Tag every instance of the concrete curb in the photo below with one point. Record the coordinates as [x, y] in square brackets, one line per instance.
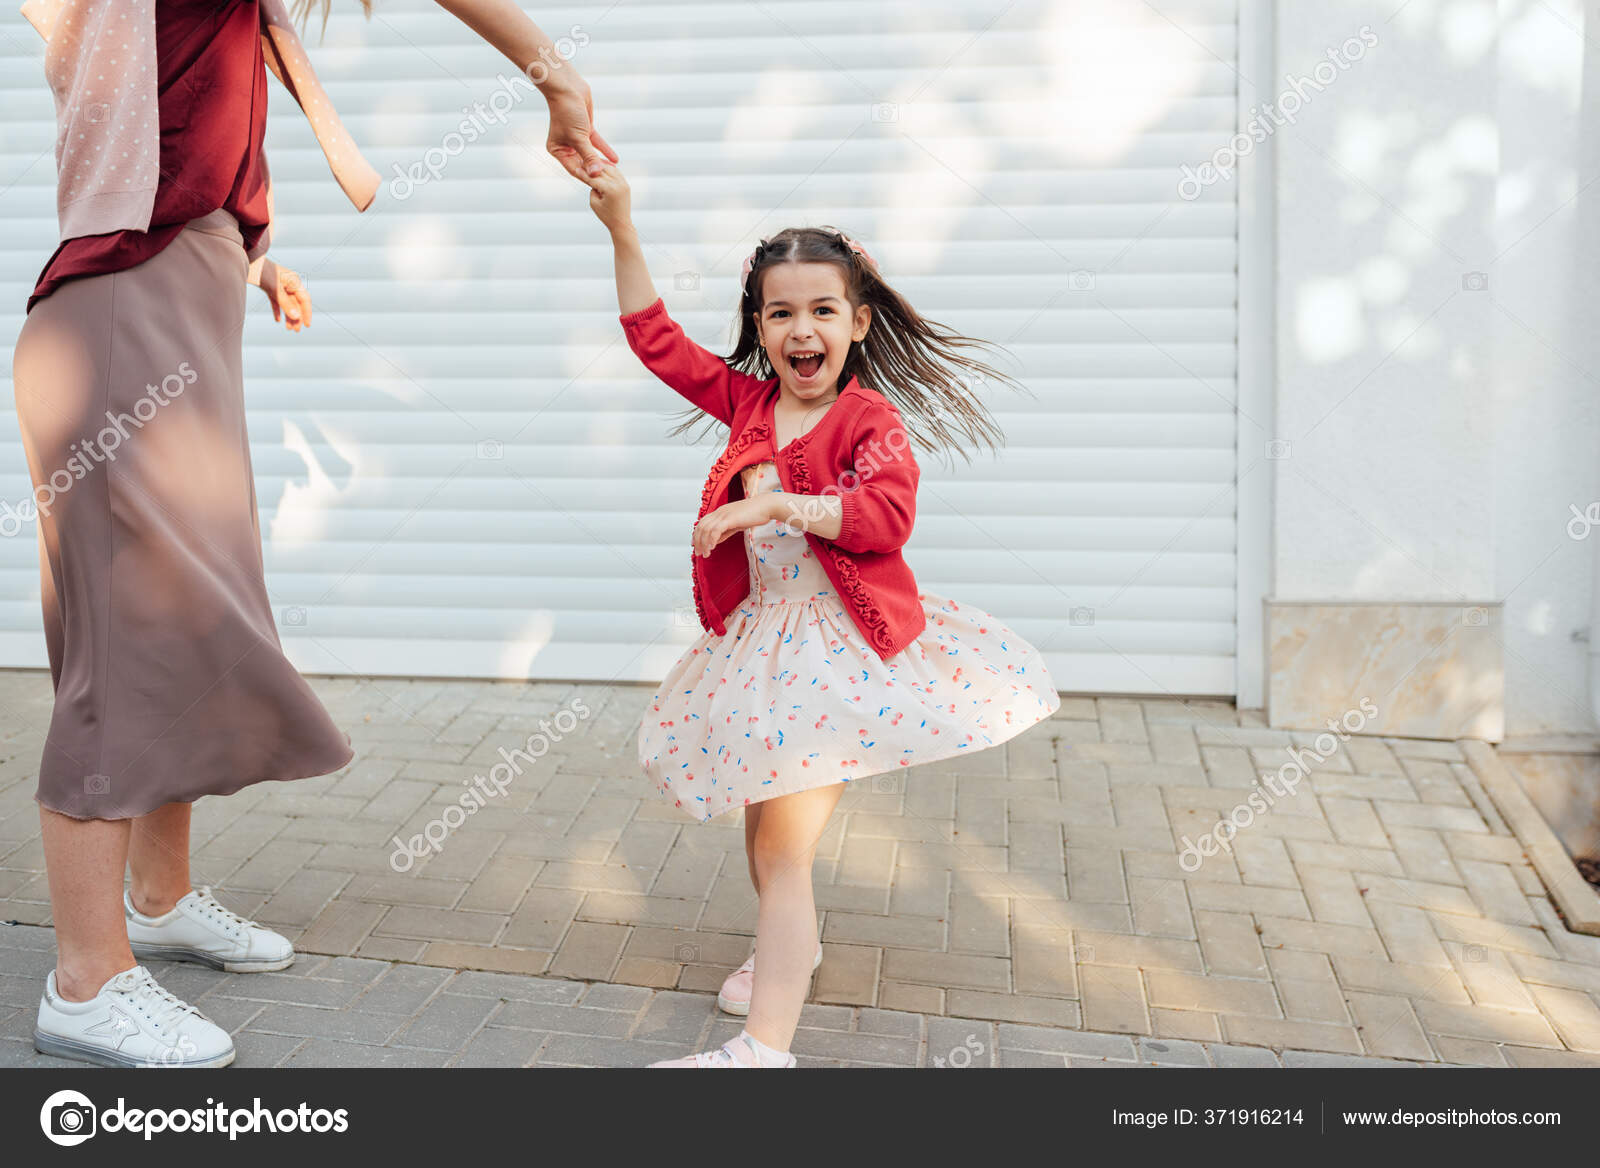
[1577, 899]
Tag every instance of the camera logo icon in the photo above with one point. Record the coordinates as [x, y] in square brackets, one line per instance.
[686, 281]
[293, 617]
[885, 111]
[1081, 279]
[1475, 281]
[491, 449]
[67, 1118]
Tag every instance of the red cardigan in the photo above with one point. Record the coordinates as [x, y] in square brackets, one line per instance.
[860, 439]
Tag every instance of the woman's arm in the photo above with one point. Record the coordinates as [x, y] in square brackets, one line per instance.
[573, 140]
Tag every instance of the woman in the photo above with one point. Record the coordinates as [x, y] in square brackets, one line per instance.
[170, 679]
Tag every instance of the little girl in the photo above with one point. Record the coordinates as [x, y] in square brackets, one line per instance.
[822, 663]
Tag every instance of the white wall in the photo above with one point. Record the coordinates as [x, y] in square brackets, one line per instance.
[1439, 434]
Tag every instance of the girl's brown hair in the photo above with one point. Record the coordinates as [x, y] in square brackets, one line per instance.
[925, 369]
[302, 10]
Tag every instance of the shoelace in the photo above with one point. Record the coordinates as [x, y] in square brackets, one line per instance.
[212, 906]
[723, 1056]
[164, 1009]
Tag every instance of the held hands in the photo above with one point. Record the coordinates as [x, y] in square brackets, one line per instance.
[610, 198]
[573, 140]
[288, 295]
[736, 516]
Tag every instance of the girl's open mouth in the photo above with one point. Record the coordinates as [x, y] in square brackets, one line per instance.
[806, 365]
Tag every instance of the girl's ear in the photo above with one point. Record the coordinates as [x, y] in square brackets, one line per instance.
[863, 322]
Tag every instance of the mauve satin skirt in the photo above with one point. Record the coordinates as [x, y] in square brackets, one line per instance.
[170, 680]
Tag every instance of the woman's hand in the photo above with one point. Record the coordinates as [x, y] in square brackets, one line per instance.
[733, 517]
[611, 199]
[573, 140]
[288, 295]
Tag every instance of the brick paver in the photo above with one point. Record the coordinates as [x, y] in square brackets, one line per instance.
[1031, 905]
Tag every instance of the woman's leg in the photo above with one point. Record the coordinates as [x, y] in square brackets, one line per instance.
[786, 925]
[158, 855]
[84, 860]
[752, 824]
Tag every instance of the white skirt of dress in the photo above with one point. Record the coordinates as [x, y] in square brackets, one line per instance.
[793, 697]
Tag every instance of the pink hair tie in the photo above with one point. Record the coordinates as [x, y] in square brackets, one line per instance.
[859, 250]
[749, 266]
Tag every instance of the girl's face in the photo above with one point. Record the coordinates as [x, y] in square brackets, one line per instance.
[806, 324]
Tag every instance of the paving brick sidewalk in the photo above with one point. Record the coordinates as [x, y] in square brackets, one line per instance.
[354, 1012]
[1384, 911]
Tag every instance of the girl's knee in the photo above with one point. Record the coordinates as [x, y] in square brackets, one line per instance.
[777, 851]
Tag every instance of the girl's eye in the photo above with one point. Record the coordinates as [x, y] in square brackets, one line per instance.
[824, 308]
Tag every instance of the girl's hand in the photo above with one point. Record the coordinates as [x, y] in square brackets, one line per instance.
[611, 199]
[288, 295]
[733, 517]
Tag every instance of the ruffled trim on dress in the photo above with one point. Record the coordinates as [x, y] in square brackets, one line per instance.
[735, 448]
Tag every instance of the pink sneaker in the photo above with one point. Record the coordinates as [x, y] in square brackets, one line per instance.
[735, 1054]
[734, 997]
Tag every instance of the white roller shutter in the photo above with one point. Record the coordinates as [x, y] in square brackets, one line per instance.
[463, 471]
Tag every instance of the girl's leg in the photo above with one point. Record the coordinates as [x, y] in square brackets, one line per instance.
[786, 925]
[84, 862]
[752, 824]
[158, 855]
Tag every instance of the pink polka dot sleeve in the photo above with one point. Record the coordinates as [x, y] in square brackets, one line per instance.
[100, 61]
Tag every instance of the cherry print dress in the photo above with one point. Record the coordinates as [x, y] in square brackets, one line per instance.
[793, 697]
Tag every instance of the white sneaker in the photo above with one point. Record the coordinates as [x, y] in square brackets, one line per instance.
[200, 929]
[131, 1022]
[738, 1053]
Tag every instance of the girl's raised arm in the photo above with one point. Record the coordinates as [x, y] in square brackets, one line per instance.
[612, 203]
[698, 374]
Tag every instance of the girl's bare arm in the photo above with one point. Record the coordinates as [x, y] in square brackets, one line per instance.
[612, 203]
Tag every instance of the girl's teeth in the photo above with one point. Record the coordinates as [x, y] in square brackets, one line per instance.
[806, 366]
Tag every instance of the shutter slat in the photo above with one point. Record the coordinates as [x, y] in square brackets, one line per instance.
[461, 468]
